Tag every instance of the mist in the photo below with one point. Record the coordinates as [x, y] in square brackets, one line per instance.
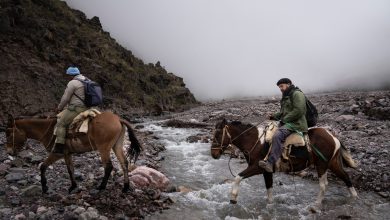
[236, 48]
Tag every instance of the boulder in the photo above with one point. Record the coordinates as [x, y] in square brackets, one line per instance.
[145, 177]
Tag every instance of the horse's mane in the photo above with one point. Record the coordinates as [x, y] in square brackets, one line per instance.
[241, 125]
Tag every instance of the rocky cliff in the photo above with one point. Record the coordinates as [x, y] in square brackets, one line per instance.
[40, 38]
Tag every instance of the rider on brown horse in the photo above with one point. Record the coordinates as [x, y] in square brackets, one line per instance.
[292, 119]
[71, 105]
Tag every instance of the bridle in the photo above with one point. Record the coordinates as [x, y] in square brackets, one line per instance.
[225, 131]
[14, 127]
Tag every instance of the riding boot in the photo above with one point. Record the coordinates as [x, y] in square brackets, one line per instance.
[58, 148]
[267, 166]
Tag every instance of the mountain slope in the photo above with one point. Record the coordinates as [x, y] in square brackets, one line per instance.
[40, 38]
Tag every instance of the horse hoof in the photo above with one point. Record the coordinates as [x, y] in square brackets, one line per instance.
[44, 189]
[314, 209]
[70, 190]
[233, 201]
[100, 188]
[125, 189]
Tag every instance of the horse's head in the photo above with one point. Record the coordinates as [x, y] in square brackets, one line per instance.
[221, 139]
[15, 137]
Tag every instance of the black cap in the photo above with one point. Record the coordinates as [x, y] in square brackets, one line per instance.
[284, 81]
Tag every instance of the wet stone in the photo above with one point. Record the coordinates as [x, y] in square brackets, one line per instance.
[14, 177]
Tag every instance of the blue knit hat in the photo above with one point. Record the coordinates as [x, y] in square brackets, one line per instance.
[73, 71]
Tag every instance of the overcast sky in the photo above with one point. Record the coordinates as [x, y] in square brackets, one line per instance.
[233, 48]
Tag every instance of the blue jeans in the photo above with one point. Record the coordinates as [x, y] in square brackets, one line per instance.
[277, 144]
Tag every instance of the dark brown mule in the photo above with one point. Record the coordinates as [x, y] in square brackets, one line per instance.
[105, 132]
[246, 138]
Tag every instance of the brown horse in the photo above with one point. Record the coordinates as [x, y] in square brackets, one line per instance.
[105, 132]
[328, 154]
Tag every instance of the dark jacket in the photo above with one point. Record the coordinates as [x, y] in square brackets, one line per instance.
[293, 110]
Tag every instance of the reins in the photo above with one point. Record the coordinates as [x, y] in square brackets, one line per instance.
[40, 139]
[231, 142]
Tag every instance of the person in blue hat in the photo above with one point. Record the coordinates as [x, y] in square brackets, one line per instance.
[70, 106]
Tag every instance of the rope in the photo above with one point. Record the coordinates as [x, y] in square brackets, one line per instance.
[319, 153]
[229, 166]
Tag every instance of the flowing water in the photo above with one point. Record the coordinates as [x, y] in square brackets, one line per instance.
[190, 165]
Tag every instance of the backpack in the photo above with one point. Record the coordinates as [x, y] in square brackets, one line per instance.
[93, 93]
[311, 112]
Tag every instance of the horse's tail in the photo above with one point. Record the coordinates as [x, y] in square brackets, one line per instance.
[135, 147]
[347, 158]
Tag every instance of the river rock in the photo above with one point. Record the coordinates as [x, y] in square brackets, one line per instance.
[145, 177]
[79, 210]
[33, 190]
[3, 169]
[25, 154]
[345, 118]
[14, 177]
[20, 216]
[36, 159]
[17, 162]
[5, 211]
[90, 214]
[41, 210]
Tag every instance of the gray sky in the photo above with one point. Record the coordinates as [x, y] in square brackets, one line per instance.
[233, 48]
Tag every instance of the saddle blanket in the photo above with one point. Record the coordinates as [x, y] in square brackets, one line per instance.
[83, 118]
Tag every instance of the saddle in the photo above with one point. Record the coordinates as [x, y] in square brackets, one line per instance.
[80, 122]
[293, 140]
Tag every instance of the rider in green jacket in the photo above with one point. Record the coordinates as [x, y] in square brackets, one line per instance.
[292, 119]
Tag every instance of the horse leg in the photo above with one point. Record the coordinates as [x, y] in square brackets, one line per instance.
[323, 179]
[248, 172]
[235, 189]
[268, 179]
[105, 156]
[43, 167]
[70, 167]
[118, 150]
[337, 168]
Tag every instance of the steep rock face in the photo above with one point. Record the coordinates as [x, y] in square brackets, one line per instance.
[39, 39]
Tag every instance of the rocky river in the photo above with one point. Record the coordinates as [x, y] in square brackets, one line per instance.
[178, 146]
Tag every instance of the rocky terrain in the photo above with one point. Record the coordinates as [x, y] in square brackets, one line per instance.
[360, 119]
[39, 39]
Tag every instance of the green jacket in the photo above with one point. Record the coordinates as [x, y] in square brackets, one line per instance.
[293, 110]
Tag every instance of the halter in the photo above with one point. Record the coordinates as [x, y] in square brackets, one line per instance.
[225, 131]
[16, 128]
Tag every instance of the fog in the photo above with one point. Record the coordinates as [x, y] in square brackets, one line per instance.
[240, 48]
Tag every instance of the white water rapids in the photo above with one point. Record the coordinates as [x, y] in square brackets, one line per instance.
[190, 165]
